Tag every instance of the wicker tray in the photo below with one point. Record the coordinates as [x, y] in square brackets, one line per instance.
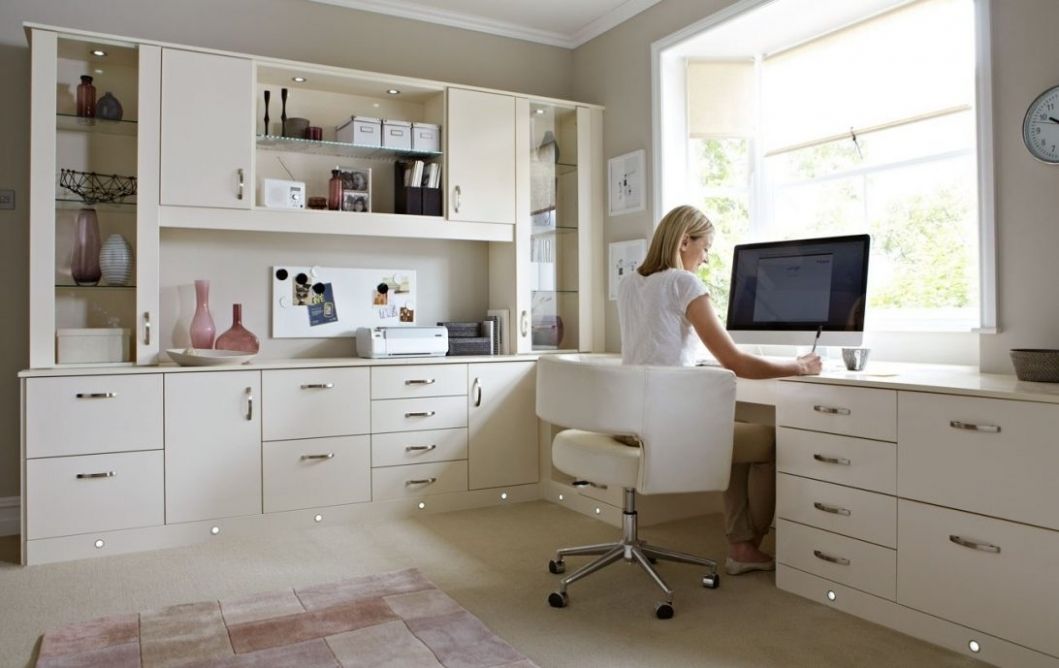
[1036, 364]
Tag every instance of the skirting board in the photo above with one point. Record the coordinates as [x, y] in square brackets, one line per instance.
[10, 516]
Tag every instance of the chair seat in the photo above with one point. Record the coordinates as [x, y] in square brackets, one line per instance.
[596, 457]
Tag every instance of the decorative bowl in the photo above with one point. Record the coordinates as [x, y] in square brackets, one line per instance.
[205, 357]
[1039, 365]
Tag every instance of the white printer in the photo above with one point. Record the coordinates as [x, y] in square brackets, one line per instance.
[402, 342]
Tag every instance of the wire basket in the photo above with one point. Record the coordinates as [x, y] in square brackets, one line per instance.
[95, 188]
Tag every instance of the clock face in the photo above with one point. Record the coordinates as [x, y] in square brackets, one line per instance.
[1040, 129]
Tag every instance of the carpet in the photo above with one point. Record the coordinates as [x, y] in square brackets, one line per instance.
[397, 619]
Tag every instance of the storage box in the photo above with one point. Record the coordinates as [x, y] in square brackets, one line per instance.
[360, 130]
[426, 137]
[92, 346]
[397, 134]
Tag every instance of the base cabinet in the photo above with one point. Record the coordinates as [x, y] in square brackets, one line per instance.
[502, 424]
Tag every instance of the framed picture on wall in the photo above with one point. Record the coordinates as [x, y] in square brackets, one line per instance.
[625, 183]
[623, 259]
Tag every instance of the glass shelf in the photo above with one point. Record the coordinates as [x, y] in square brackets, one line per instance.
[339, 149]
[95, 125]
[72, 286]
[553, 292]
[548, 229]
[71, 203]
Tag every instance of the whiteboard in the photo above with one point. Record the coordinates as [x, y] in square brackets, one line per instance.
[316, 302]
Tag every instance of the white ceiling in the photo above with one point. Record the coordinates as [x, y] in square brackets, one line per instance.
[566, 23]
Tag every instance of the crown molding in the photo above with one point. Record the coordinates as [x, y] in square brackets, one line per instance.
[611, 19]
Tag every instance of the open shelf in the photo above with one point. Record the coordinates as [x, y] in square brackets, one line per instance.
[340, 149]
[71, 203]
[95, 125]
[73, 286]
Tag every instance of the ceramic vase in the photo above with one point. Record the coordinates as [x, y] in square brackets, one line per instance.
[109, 108]
[84, 266]
[238, 337]
[202, 329]
[115, 260]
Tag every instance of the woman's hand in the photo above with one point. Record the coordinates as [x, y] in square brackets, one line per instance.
[809, 365]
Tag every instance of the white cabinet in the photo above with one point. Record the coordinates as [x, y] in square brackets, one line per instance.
[312, 403]
[316, 472]
[481, 156]
[502, 424]
[207, 133]
[212, 445]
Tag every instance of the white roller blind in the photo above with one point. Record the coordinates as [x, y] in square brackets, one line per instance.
[912, 62]
[720, 99]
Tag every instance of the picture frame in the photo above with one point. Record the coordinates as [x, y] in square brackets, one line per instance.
[356, 200]
[626, 179]
[623, 258]
[356, 178]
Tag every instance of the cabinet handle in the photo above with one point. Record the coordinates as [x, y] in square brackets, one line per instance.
[974, 544]
[318, 386]
[97, 395]
[476, 389]
[456, 197]
[970, 426]
[421, 381]
[425, 481]
[524, 324]
[421, 414]
[832, 460]
[834, 510]
[420, 448]
[827, 410]
[146, 328]
[249, 404]
[241, 185]
[841, 561]
[105, 474]
[329, 455]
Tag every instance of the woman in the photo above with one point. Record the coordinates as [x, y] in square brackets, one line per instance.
[662, 307]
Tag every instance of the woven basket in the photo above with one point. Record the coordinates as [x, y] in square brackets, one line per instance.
[1036, 364]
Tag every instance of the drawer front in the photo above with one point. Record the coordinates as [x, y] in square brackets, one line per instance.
[1009, 587]
[998, 459]
[93, 414]
[417, 447]
[310, 403]
[115, 491]
[855, 462]
[852, 411]
[845, 560]
[417, 480]
[425, 380]
[316, 472]
[418, 414]
[850, 512]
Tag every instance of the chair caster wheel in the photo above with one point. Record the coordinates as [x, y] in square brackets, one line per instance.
[664, 611]
[711, 581]
[652, 560]
[557, 567]
[558, 599]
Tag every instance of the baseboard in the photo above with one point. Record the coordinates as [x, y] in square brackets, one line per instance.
[10, 516]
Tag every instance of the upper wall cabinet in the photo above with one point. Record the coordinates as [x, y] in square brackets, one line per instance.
[481, 155]
[207, 141]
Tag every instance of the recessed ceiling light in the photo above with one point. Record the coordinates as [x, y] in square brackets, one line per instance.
[393, 91]
[99, 52]
[540, 111]
[299, 79]
[98, 71]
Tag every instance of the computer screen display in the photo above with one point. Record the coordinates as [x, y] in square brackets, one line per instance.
[782, 288]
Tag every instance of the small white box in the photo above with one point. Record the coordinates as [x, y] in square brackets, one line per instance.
[397, 134]
[426, 137]
[360, 130]
[92, 346]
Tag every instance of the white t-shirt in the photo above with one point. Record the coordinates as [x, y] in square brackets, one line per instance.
[654, 327]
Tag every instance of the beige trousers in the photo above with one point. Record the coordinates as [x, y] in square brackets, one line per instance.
[750, 500]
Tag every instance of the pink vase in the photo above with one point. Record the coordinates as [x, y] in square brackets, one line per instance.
[202, 329]
[84, 266]
[238, 337]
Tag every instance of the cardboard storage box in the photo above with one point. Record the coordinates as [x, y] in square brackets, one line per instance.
[92, 346]
[426, 137]
[397, 134]
[360, 130]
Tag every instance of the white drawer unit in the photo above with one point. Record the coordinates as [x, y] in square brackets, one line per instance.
[311, 403]
[1002, 456]
[418, 480]
[856, 462]
[81, 415]
[316, 472]
[417, 447]
[852, 562]
[988, 574]
[424, 380]
[853, 411]
[418, 414]
[851, 512]
[74, 495]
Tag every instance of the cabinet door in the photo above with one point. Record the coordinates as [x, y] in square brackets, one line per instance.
[481, 157]
[502, 424]
[212, 445]
[207, 135]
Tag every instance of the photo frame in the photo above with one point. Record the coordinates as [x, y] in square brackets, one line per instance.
[625, 183]
[356, 178]
[356, 201]
[623, 258]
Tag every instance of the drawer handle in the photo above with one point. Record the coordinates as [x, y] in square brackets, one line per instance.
[97, 395]
[828, 410]
[105, 474]
[420, 448]
[425, 481]
[834, 510]
[832, 460]
[841, 561]
[970, 426]
[421, 381]
[421, 414]
[974, 545]
[318, 386]
[329, 455]
[249, 404]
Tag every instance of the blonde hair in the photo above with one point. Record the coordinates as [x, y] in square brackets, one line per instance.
[664, 253]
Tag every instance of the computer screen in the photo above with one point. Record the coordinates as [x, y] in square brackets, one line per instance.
[782, 291]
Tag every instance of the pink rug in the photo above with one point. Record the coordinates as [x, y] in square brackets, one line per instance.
[395, 619]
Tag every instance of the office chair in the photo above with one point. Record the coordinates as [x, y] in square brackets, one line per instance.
[680, 424]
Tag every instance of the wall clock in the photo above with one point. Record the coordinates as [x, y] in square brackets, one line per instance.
[1040, 128]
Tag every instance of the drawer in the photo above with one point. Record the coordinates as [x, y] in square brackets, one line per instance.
[414, 447]
[845, 460]
[417, 480]
[1010, 590]
[424, 380]
[126, 490]
[850, 512]
[1004, 468]
[310, 403]
[316, 472]
[852, 411]
[848, 561]
[84, 415]
[418, 414]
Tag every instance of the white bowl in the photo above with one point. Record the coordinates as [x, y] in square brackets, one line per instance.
[204, 357]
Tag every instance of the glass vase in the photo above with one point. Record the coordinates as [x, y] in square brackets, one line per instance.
[202, 329]
[86, 97]
[238, 337]
[84, 266]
